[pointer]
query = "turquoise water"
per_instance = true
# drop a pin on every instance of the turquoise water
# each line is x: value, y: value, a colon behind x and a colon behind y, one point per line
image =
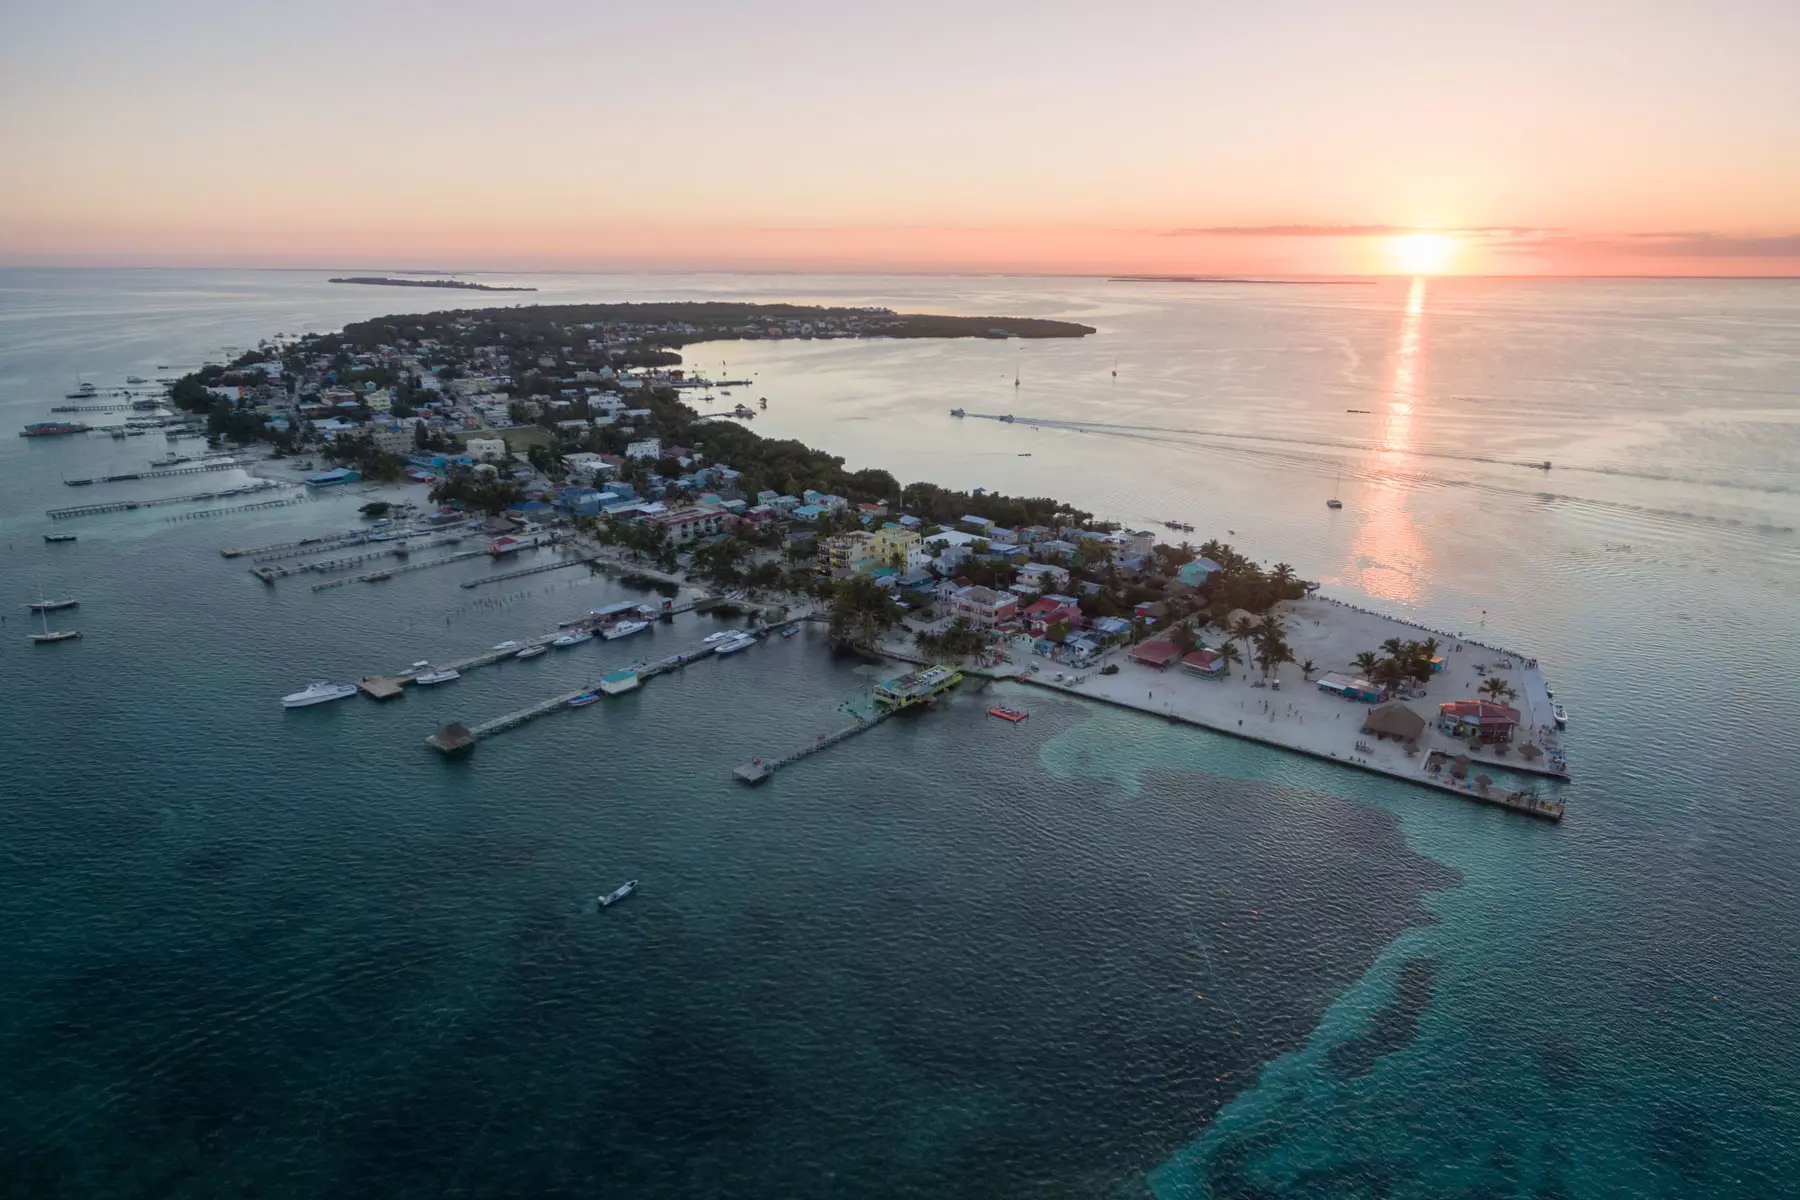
x: 252, y: 951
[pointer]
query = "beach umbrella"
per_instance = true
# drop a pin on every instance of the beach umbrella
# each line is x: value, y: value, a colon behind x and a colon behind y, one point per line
x: 1459, y: 766
x: 1483, y: 782
x: 1529, y: 750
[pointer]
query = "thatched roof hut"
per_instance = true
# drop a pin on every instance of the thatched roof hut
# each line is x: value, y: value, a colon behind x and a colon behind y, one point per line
x: 1245, y: 614
x: 1394, y: 720
x: 1530, y: 752
x: 1459, y: 766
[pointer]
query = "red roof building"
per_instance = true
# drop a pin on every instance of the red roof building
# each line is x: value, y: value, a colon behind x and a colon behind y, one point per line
x: 1048, y: 610
x: 1209, y: 664
x: 1483, y: 720
x: 1155, y: 654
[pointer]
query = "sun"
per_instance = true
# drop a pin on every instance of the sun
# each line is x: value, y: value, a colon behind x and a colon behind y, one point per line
x: 1422, y: 253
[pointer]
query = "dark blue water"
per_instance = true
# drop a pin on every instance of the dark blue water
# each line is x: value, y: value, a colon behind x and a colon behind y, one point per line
x: 258, y: 952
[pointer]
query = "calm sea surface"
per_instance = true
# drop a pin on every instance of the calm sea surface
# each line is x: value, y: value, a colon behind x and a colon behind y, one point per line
x: 257, y: 952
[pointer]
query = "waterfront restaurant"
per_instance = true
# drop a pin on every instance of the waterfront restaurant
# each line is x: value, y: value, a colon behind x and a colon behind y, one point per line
x: 1155, y: 654
x: 1480, y: 720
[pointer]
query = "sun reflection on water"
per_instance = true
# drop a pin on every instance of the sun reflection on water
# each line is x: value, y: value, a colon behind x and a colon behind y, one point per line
x: 1388, y: 553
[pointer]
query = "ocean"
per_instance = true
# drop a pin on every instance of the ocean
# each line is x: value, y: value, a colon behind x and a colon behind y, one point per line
x: 296, y: 954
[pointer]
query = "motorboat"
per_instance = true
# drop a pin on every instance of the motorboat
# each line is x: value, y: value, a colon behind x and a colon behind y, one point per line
x: 624, y: 629
x: 321, y: 692
x: 1008, y: 714
x: 507, y: 645
x: 790, y: 631
x: 574, y: 637
x: 619, y: 893
x: 720, y: 636
x: 742, y: 642
x: 956, y: 412
x: 532, y: 651
x: 59, y: 537
x: 52, y: 605
x: 583, y: 700
x: 431, y: 677
x: 1560, y: 715
x: 421, y: 665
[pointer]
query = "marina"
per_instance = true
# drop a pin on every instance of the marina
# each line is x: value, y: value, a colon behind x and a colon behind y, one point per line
x: 159, y: 473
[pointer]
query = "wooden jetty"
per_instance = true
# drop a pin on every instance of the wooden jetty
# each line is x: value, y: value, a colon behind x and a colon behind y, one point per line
x: 580, y: 561
x: 389, y: 572
x: 208, y: 513
x: 447, y: 741
x: 160, y: 473
x: 759, y: 769
x: 88, y: 510
x: 396, y: 549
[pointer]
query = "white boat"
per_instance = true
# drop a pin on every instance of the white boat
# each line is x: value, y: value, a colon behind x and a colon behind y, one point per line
x: 720, y: 636
x: 574, y: 638
x: 1561, y: 715
x: 421, y: 665
x: 507, y: 645
x: 431, y: 677
x: 532, y: 651
x: 741, y: 642
x: 625, y: 629
x: 321, y: 692
x: 619, y: 893
x: 52, y: 605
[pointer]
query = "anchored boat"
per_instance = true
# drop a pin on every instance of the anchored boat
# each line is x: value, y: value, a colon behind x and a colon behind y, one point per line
x: 321, y: 692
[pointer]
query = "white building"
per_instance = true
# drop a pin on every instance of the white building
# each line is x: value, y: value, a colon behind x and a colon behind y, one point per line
x: 648, y: 448
x: 486, y: 449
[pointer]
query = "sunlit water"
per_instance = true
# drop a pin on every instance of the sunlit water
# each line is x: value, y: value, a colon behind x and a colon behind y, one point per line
x: 257, y: 952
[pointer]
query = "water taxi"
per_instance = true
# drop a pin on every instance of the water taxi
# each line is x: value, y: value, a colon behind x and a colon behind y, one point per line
x: 1560, y: 715
x: 583, y: 700
x: 432, y: 677
x: 1008, y: 714
x: 532, y: 651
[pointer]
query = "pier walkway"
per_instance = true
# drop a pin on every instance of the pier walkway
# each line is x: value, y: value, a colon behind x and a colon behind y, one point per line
x: 376, y: 550
x: 759, y: 769
x: 159, y: 473
x: 579, y: 561
x: 208, y: 513
x: 453, y: 738
x: 88, y: 510
x: 389, y: 572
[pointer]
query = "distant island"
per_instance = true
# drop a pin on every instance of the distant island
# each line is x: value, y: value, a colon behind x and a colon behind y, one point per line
x: 385, y: 281
x: 1224, y: 279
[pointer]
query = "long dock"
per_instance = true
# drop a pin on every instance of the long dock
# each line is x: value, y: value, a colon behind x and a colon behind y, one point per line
x: 205, y: 514
x: 161, y: 473
x: 524, y: 571
x: 88, y: 510
x: 455, y: 738
x: 377, y: 550
x: 759, y: 769
x: 387, y: 572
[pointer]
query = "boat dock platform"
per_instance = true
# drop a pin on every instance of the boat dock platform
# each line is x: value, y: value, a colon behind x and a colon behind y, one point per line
x: 456, y: 737
x: 380, y: 550
x: 160, y: 473
x: 759, y: 769
x: 89, y: 510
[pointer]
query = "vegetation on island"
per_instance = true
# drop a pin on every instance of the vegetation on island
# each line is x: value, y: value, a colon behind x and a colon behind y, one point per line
x: 458, y: 284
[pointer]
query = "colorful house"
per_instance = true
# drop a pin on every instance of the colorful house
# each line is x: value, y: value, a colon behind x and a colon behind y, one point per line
x: 1155, y: 654
x: 1482, y: 720
x: 1349, y: 688
x: 1208, y: 664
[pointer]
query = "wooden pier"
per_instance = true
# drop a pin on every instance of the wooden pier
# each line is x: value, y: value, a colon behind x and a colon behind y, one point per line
x: 160, y: 473
x: 759, y: 769
x: 208, y: 513
x: 580, y: 561
x: 395, y: 549
x: 388, y: 572
x: 458, y: 738
x: 88, y: 510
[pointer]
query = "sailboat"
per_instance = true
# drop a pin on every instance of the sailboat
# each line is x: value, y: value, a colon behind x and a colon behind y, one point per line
x: 1334, y: 502
x: 1115, y: 366
x: 52, y: 635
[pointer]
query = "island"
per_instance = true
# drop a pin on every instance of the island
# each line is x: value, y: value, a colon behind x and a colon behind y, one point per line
x: 574, y: 427
x: 456, y: 284
x: 1226, y: 279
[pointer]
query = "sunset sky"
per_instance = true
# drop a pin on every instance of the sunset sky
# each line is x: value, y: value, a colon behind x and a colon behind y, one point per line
x: 1650, y: 136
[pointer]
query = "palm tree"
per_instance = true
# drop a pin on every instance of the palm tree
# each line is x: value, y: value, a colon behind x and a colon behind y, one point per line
x: 1283, y: 574
x: 1307, y: 668
x: 1494, y: 686
x: 1230, y: 654
x: 1243, y: 629
x: 1365, y: 662
x: 1394, y: 648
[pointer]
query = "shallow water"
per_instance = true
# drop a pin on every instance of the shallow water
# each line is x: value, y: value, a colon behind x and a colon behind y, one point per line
x: 294, y: 953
